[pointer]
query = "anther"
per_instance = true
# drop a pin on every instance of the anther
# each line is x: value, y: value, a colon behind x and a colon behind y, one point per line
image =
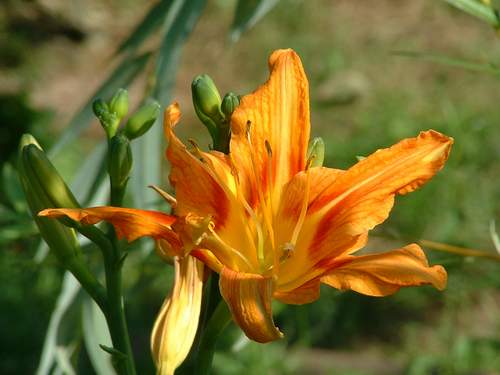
x: 269, y: 150
x: 249, y: 127
x: 287, y: 250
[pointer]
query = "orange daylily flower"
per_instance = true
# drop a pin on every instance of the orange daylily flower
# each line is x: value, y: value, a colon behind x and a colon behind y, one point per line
x: 272, y: 225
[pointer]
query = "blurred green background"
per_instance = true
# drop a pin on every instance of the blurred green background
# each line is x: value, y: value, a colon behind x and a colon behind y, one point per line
x: 364, y: 95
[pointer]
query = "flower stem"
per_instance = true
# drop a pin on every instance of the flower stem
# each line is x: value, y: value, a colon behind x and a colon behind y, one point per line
x: 88, y: 282
x: 115, y: 316
x: 206, y: 350
x: 113, y: 310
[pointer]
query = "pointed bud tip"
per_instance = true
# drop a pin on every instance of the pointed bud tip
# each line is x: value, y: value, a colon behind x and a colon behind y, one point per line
x: 99, y: 107
x: 206, y: 98
x: 142, y: 120
x: 119, y: 103
x: 230, y: 103
x: 26, y: 140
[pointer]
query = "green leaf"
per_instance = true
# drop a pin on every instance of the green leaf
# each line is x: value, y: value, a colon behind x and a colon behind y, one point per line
x: 63, y: 359
x: 122, y: 76
x: 179, y: 24
x: 53, y: 337
x: 151, y: 22
x: 477, y: 9
x: 247, y: 14
x: 451, y: 61
x: 96, y: 333
x: 147, y: 150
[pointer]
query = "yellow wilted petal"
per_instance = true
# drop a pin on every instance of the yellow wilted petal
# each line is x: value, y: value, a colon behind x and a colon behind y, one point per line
x: 175, y: 327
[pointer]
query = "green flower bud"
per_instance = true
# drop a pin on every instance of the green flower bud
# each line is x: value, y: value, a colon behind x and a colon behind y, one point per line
x: 119, y: 161
x: 39, y: 169
x: 60, y: 239
x: 229, y: 104
x: 142, y: 120
x: 119, y: 103
x: 109, y: 121
x: 317, y: 152
x: 207, y: 102
x: 100, y: 107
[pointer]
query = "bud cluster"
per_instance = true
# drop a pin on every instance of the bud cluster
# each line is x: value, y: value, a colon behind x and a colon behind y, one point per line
x: 110, y: 115
x: 214, y: 112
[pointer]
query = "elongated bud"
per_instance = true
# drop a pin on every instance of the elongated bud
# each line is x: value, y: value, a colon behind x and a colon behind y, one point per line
x: 119, y: 161
x: 207, y: 102
x: 60, y: 239
x: 119, y: 104
x: 317, y: 152
x: 229, y: 104
x: 142, y: 120
x: 38, y: 168
x: 175, y: 328
x: 109, y: 121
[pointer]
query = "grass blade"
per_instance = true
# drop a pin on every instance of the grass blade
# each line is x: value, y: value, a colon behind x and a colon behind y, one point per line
x: 147, y: 150
x: 451, y: 61
x: 151, y: 22
x: 477, y: 9
x: 180, y: 23
x: 69, y: 291
x: 95, y: 333
x: 247, y: 14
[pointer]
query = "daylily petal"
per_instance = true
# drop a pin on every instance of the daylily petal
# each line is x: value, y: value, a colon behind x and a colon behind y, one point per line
x: 197, y: 189
x: 307, y: 293
x: 175, y: 327
x: 128, y: 222
x: 278, y: 112
x: 249, y: 299
x: 361, y: 198
x: 385, y: 273
x: 205, y: 186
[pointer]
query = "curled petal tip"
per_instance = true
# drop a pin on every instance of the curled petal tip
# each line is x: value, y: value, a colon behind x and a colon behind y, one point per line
x: 281, y: 53
x: 171, y: 117
x: 249, y: 299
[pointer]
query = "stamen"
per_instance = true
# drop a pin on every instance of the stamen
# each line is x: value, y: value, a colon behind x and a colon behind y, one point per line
x: 240, y: 197
x: 258, y: 184
x: 287, y: 251
x: 305, y: 204
x: 196, y: 150
x: 269, y: 150
x: 224, y: 251
x: 212, y: 173
x: 168, y: 198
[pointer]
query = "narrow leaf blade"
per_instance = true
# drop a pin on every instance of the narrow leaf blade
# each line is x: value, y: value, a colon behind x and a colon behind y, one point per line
x: 451, y: 61
x: 151, y: 22
x: 247, y: 14
x: 477, y: 9
x: 96, y: 333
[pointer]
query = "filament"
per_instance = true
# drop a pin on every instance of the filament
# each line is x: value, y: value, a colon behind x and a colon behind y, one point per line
x: 305, y: 204
x: 258, y: 183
